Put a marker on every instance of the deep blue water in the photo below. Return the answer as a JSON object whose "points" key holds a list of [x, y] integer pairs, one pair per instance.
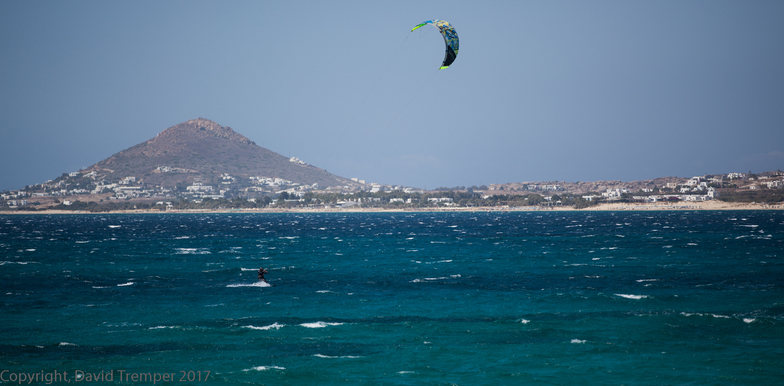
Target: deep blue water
{"points": [[549, 298]]}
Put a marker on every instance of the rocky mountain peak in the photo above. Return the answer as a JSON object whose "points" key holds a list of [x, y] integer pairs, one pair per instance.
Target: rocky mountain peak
{"points": [[201, 127]]}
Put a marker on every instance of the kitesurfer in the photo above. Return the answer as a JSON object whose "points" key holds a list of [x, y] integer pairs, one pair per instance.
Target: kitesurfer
{"points": [[262, 271]]}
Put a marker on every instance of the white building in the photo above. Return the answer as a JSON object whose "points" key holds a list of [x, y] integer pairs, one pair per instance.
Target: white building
{"points": [[440, 199], [198, 187]]}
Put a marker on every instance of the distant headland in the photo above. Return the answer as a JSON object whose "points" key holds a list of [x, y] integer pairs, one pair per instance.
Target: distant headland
{"points": [[200, 165]]}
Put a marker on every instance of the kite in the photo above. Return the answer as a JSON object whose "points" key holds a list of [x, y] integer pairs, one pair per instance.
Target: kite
{"points": [[450, 38]]}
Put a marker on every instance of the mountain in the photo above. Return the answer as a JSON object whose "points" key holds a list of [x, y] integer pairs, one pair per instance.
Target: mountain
{"points": [[201, 150]]}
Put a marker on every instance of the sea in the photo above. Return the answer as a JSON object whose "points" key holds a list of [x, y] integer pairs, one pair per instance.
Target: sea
{"points": [[424, 298]]}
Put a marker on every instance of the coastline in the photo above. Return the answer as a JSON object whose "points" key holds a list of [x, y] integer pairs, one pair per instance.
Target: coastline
{"points": [[681, 206]]}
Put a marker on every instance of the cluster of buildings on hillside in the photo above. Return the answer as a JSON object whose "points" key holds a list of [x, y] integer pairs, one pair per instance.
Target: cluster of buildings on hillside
{"points": [[695, 189], [701, 188], [228, 186]]}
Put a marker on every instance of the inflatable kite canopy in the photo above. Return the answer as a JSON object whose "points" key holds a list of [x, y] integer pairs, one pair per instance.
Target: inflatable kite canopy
{"points": [[450, 38]]}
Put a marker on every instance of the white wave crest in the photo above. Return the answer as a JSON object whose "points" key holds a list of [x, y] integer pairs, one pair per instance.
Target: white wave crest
{"points": [[319, 324], [265, 328], [265, 368], [578, 341], [636, 297], [192, 251], [329, 356], [435, 278]]}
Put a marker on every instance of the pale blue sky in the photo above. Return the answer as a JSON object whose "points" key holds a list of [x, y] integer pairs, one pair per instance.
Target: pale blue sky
{"points": [[541, 90]]}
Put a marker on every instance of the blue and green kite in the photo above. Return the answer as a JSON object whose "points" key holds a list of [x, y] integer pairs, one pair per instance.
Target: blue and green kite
{"points": [[450, 38]]}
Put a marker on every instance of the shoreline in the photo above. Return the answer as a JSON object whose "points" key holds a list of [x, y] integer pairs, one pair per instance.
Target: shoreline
{"points": [[604, 207]]}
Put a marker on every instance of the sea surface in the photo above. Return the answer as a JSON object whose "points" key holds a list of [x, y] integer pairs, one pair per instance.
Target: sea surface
{"points": [[519, 298]]}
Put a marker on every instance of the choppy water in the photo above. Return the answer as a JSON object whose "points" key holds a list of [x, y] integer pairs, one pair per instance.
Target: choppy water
{"points": [[644, 298]]}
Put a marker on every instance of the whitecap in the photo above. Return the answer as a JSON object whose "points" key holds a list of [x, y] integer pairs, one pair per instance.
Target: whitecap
{"points": [[578, 341], [275, 325], [126, 284], [114, 226], [644, 280], [256, 284], [265, 368], [525, 321], [636, 297], [329, 356], [67, 344], [192, 251], [319, 324], [749, 320]]}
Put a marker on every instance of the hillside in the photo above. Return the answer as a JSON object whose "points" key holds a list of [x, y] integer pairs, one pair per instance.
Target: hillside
{"points": [[201, 150]]}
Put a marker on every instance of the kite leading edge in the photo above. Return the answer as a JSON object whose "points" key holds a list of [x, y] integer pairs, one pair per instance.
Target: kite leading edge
{"points": [[450, 38]]}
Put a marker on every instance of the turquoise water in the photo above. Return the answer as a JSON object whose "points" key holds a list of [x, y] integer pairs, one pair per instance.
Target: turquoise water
{"points": [[640, 298]]}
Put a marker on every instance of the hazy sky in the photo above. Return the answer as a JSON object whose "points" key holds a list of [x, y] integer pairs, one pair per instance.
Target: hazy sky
{"points": [[541, 90]]}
